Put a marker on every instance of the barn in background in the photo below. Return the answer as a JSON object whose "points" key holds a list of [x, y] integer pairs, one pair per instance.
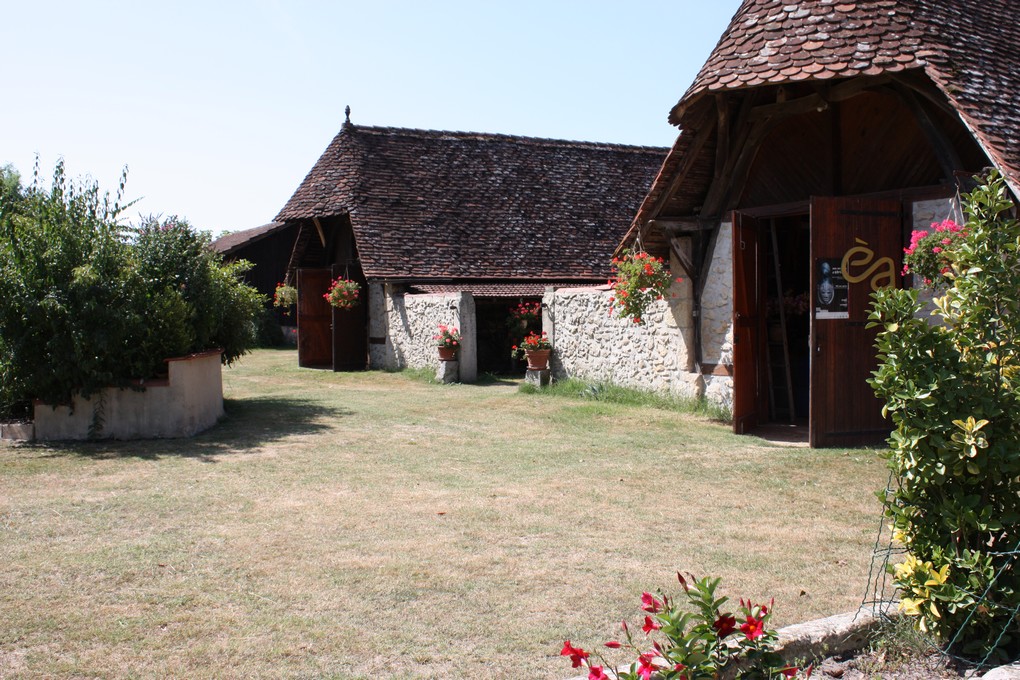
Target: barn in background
{"points": [[479, 222], [812, 142]]}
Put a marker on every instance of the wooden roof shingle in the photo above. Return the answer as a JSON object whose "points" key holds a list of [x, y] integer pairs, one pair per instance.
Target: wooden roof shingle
{"points": [[428, 204]]}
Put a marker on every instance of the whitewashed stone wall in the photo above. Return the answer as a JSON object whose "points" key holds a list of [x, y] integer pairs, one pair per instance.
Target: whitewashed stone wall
{"points": [[408, 323], [923, 213], [717, 318], [590, 344]]}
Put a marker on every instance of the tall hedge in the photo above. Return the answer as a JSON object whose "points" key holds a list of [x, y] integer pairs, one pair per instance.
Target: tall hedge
{"points": [[88, 302]]}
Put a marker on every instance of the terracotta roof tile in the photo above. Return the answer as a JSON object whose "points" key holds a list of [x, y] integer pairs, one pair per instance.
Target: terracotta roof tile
{"points": [[967, 47], [432, 204], [228, 243]]}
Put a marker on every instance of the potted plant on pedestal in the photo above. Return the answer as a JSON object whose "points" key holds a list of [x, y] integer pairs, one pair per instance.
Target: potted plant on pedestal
{"points": [[448, 342], [536, 349]]}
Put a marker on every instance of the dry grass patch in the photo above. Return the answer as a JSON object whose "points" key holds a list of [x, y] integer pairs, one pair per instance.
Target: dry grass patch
{"points": [[369, 525]]}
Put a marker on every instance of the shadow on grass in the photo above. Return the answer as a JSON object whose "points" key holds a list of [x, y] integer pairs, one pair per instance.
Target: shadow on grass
{"points": [[247, 424]]}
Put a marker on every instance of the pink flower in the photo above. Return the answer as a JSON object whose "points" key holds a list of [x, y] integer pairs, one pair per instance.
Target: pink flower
{"points": [[646, 668], [650, 604], [754, 628], [789, 672], [596, 673], [613, 644], [650, 625], [936, 250], [576, 654]]}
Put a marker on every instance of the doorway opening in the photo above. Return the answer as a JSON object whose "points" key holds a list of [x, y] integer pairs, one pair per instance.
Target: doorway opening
{"points": [[787, 318]]}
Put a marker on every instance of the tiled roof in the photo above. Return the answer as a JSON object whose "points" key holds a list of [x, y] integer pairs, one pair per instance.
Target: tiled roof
{"points": [[967, 47], [430, 204], [228, 243], [484, 289]]}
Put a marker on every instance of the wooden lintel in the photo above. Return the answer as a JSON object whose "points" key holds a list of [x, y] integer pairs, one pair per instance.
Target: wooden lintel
{"points": [[818, 101], [680, 226], [318, 228]]}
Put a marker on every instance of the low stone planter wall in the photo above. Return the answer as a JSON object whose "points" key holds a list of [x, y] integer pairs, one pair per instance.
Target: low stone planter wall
{"points": [[818, 638], [187, 402]]}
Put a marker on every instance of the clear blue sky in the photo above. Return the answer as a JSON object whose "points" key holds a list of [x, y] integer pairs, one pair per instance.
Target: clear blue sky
{"points": [[220, 109]]}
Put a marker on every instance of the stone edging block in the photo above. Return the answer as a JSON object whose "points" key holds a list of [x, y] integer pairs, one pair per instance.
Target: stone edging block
{"points": [[17, 431]]}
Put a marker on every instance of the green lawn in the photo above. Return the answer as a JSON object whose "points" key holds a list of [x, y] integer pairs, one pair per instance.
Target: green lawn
{"points": [[357, 525]]}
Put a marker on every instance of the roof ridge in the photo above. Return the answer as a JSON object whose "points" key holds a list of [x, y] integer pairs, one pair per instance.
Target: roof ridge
{"points": [[499, 137]]}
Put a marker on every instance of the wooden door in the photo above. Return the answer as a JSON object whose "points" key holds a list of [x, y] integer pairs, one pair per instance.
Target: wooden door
{"points": [[856, 247], [747, 336], [315, 319], [350, 328]]}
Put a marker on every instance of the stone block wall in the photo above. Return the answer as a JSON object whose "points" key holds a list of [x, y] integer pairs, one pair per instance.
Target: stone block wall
{"points": [[187, 402], [402, 327], [590, 344]]}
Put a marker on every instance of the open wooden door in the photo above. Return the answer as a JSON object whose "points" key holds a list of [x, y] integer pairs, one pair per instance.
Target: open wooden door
{"points": [[350, 328], [747, 388], [856, 247], [315, 319]]}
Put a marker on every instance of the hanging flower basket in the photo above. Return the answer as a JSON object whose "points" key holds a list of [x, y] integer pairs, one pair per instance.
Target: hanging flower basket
{"points": [[285, 297], [343, 293], [639, 280]]}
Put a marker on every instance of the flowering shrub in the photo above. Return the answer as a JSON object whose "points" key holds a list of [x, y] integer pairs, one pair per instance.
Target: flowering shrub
{"points": [[694, 645], [448, 337], [928, 254], [343, 293], [532, 342], [639, 280], [285, 296], [90, 302], [952, 391]]}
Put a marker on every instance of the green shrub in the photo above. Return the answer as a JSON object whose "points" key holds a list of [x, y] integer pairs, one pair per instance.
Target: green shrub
{"points": [[88, 303], [952, 390]]}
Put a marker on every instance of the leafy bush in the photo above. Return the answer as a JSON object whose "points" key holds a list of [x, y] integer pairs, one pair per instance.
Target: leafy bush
{"points": [[952, 390], [88, 303]]}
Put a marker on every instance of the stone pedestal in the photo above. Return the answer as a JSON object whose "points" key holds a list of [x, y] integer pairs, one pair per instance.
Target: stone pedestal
{"points": [[449, 371], [539, 377]]}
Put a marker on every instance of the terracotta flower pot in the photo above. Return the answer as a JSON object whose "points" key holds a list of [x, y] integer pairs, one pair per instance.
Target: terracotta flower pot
{"points": [[447, 353], [538, 359]]}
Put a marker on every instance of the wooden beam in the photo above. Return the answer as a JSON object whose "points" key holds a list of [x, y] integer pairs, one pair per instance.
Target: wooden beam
{"points": [[722, 134], [686, 262], [818, 101], [946, 154], [722, 176], [700, 137], [318, 228], [737, 169], [686, 225]]}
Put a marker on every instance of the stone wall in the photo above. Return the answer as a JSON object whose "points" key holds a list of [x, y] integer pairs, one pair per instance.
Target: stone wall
{"points": [[187, 402], [717, 320], [402, 326], [590, 344]]}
